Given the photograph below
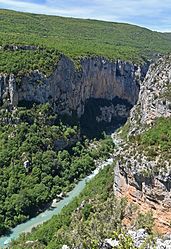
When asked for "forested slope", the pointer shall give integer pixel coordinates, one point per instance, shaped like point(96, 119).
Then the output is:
point(73, 37)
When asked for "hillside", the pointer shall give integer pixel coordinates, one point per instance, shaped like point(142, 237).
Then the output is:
point(168, 35)
point(142, 175)
point(64, 82)
point(73, 37)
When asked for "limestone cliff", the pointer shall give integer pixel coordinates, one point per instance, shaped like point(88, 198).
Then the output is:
point(154, 99)
point(69, 88)
point(142, 174)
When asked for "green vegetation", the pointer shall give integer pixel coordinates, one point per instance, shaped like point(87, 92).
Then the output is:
point(98, 214)
point(156, 140)
point(22, 62)
point(74, 37)
point(38, 160)
point(168, 35)
point(145, 220)
point(154, 143)
point(88, 220)
point(32, 169)
point(123, 131)
point(159, 136)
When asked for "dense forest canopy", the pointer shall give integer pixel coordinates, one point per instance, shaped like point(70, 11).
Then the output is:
point(38, 161)
point(74, 37)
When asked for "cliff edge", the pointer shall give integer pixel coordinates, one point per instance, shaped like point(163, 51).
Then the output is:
point(143, 158)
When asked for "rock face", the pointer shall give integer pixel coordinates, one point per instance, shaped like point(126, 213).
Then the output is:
point(143, 178)
point(19, 47)
point(68, 88)
point(154, 99)
point(140, 239)
point(137, 179)
point(108, 112)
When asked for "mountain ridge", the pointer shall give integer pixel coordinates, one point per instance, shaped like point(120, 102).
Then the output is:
point(78, 37)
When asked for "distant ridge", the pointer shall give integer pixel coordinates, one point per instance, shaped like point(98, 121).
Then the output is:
point(80, 37)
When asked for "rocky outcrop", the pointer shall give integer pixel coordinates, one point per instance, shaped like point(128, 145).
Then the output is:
point(154, 99)
point(142, 177)
point(143, 182)
point(19, 47)
point(68, 88)
point(109, 112)
point(140, 239)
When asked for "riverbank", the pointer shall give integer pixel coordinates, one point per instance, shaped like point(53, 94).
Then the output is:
point(47, 214)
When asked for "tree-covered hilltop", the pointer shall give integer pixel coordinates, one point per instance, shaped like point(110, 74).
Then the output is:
point(73, 37)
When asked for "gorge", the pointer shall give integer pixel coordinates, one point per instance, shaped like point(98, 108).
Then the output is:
point(97, 91)
point(120, 86)
point(64, 84)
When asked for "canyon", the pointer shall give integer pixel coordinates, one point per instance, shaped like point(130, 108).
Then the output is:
point(112, 92)
point(65, 85)
point(111, 87)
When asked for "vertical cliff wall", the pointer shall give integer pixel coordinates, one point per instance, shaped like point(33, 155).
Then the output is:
point(69, 88)
point(143, 170)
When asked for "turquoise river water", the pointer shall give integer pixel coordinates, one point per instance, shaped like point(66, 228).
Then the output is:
point(47, 214)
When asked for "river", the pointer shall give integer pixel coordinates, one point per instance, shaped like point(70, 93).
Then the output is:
point(47, 214)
